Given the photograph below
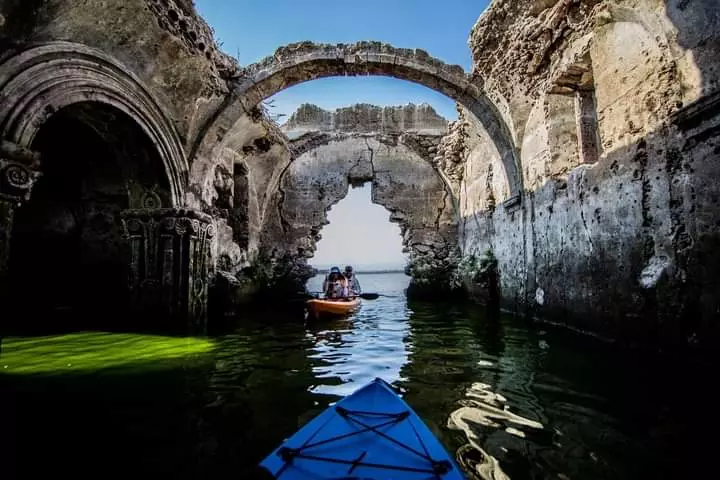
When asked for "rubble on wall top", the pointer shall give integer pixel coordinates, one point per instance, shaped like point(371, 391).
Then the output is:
point(300, 49)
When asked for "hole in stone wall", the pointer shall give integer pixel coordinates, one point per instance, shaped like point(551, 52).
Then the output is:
point(239, 216)
point(573, 129)
point(587, 115)
point(588, 131)
point(360, 233)
point(67, 255)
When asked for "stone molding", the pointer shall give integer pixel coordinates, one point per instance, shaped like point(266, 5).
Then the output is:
point(170, 261)
point(37, 82)
point(18, 173)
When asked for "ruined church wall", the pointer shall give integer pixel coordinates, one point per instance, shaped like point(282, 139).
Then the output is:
point(163, 43)
point(484, 183)
point(363, 118)
point(624, 245)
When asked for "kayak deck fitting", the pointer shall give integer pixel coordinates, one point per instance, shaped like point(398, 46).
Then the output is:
point(371, 434)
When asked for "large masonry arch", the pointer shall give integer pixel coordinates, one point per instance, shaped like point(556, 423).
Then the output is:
point(302, 62)
point(91, 169)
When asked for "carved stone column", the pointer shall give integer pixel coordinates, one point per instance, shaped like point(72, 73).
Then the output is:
point(170, 262)
point(19, 170)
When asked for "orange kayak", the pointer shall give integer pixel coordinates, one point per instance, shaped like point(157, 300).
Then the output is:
point(320, 307)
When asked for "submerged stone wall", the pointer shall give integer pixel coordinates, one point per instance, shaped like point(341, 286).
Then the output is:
point(614, 109)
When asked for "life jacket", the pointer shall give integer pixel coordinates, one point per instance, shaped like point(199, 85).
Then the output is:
point(337, 288)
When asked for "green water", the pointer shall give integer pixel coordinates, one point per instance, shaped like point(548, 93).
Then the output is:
point(505, 397)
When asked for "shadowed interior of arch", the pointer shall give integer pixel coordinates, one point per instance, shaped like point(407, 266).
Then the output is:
point(68, 259)
point(360, 233)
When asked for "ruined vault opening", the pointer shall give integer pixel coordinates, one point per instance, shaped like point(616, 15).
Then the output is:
point(360, 232)
point(403, 182)
point(68, 255)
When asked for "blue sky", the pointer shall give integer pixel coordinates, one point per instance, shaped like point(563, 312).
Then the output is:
point(253, 29)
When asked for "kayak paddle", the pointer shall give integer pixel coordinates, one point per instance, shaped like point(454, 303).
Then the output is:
point(369, 296)
point(364, 296)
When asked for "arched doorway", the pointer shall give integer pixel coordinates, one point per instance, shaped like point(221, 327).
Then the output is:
point(68, 257)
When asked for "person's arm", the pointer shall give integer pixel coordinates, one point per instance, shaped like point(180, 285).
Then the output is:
point(357, 284)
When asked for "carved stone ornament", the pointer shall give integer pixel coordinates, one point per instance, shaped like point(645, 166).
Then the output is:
point(170, 262)
point(19, 169)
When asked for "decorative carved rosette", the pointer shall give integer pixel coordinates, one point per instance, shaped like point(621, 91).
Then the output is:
point(151, 201)
point(18, 172)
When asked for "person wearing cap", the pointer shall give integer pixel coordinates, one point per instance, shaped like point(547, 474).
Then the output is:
point(352, 281)
point(335, 284)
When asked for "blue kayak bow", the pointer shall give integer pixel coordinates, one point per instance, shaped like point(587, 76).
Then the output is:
point(371, 434)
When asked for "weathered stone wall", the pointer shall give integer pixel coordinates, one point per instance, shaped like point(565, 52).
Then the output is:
point(253, 153)
point(292, 184)
point(614, 115)
point(409, 118)
point(164, 43)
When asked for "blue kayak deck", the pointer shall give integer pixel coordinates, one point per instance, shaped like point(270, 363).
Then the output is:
point(371, 434)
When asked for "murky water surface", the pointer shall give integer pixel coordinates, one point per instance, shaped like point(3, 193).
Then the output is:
point(508, 399)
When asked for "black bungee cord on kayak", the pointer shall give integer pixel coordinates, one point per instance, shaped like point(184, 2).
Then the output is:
point(436, 468)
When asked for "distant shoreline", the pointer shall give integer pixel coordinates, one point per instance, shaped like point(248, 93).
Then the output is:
point(359, 272)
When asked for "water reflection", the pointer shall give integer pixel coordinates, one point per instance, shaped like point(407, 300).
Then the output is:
point(509, 399)
point(255, 395)
point(350, 352)
point(514, 401)
point(483, 416)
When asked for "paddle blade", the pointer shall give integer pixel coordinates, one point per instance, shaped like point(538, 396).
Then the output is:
point(369, 296)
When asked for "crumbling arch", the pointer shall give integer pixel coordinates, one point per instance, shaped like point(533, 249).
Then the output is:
point(42, 80)
point(306, 61)
point(403, 182)
point(312, 141)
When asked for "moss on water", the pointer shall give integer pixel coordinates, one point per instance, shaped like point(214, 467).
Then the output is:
point(87, 352)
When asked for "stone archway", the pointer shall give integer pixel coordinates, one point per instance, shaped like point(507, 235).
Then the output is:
point(403, 182)
point(112, 176)
point(40, 81)
point(67, 250)
point(306, 61)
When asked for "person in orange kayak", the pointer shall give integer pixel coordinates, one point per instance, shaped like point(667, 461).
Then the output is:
point(335, 284)
point(353, 283)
